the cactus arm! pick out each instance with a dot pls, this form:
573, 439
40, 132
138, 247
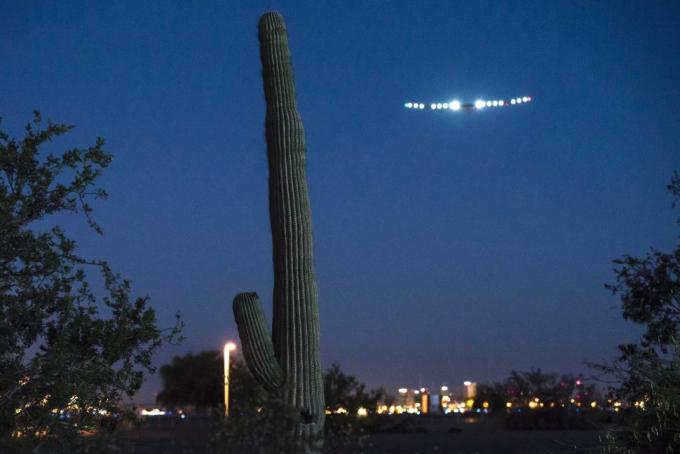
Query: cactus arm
256, 342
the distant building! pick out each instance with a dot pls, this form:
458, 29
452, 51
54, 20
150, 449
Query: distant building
435, 404
445, 397
424, 402
406, 397
470, 389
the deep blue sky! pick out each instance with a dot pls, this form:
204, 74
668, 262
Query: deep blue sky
448, 246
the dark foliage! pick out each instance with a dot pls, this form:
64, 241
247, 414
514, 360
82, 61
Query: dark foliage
259, 422
195, 380
649, 291
648, 372
520, 388
268, 429
345, 391
271, 429
67, 354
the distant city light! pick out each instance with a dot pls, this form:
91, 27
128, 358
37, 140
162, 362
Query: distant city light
444, 388
467, 383
154, 412
403, 390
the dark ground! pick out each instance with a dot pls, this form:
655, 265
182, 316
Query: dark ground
175, 436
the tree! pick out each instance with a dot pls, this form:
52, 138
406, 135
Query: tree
197, 380
66, 355
193, 380
520, 388
648, 372
345, 391
649, 291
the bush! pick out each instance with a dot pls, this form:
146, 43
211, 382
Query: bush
274, 430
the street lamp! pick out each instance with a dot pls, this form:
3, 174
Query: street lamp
228, 348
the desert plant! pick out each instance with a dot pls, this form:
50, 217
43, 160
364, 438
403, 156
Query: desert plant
68, 352
653, 425
271, 429
287, 362
648, 372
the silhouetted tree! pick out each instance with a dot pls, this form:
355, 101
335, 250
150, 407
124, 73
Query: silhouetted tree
197, 380
522, 387
649, 291
342, 390
62, 347
192, 380
649, 371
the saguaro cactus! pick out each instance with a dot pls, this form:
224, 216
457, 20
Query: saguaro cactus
288, 361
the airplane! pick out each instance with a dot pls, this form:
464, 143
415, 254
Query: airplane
479, 104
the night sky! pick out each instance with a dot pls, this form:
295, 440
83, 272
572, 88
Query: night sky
449, 246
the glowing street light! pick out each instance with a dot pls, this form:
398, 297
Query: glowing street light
228, 348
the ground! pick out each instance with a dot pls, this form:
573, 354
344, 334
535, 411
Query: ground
176, 436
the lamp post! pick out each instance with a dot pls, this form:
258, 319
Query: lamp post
228, 348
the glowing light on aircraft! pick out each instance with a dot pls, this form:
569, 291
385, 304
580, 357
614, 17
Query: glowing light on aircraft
478, 104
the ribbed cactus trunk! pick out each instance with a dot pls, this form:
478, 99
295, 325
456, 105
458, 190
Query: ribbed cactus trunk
288, 361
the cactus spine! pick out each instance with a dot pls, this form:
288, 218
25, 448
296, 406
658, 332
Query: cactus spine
288, 361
